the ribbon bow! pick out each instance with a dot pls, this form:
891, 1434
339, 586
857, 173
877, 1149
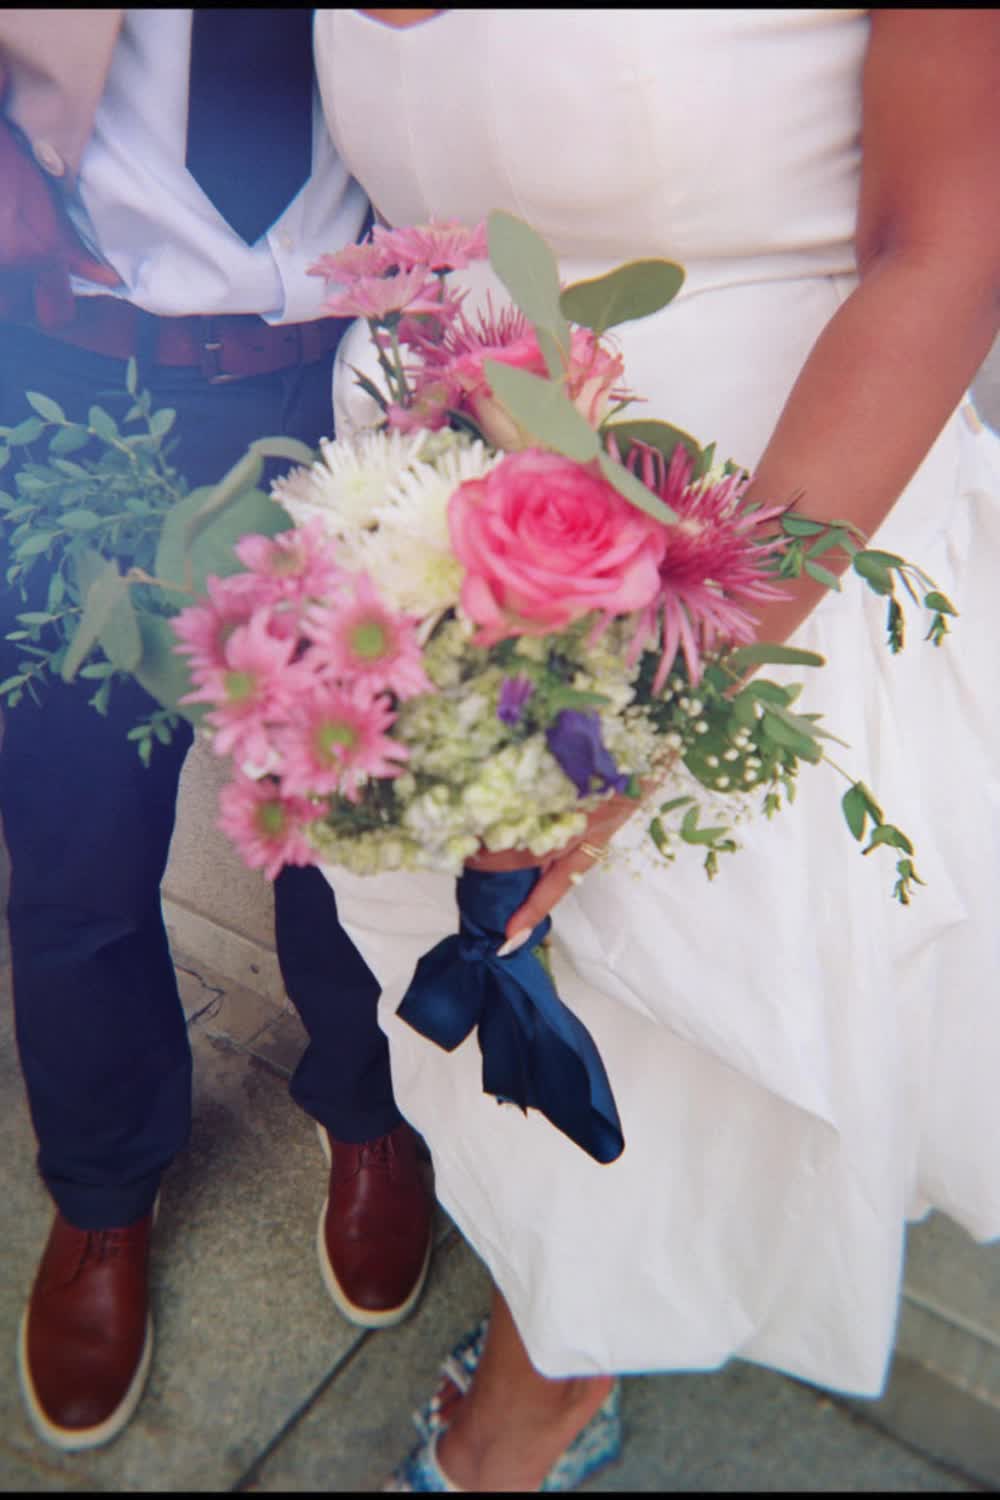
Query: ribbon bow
535, 1051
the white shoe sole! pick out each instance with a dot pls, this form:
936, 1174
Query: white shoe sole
361, 1317
70, 1439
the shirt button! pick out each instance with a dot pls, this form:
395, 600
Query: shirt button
48, 158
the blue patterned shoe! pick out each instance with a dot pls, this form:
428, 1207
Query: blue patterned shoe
598, 1444
458, 1369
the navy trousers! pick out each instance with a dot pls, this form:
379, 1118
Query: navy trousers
99, 1024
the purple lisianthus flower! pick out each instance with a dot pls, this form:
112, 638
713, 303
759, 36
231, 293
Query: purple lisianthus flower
575, 741
514, 694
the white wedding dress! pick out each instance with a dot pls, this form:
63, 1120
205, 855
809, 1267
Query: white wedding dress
800, 1063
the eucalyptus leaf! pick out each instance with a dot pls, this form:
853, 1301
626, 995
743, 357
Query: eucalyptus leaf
940, 602
634, 491
162, 672
69, 439
633, 290
542, 408
161, 421
211, 550
855, 809
284, 447
24, 432
102, 423
45, 406
764, 653
101, 590
241, 477
875, 573
659, 435
779, 733
822, 575
528, 269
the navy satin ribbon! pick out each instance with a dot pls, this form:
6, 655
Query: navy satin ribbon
535, 1051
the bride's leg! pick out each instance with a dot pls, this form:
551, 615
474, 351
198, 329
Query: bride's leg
511, 1426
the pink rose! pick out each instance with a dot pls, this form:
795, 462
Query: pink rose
544, 541
591, 379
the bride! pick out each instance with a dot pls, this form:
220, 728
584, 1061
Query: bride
800, 1064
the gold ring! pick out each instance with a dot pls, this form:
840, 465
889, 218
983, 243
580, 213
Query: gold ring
594, 851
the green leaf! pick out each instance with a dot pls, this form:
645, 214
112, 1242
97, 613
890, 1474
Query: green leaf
940, 602
885, 833
4, 457
822, 575
875, 573
855, 809
80, 520
633, 290
162, 672
763, 653
36, 543
24, 432
658, 435
801, 526
104, 593
45, 406
885, 559
634, 490
284, 447
132, 376
35, 617
161, 421
542, 408
103, 424
549, 346
783, 734
211, 550
528, 269
57, 591
69, 439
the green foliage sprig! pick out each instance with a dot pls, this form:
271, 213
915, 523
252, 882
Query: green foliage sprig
124, 544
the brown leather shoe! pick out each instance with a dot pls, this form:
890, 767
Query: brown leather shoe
374, 1238
87, 1336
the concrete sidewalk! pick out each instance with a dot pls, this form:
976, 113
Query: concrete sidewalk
258, 1384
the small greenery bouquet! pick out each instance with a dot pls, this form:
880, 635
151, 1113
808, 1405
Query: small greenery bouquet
464, 626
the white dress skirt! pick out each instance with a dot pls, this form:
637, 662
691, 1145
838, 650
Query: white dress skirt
800, 1064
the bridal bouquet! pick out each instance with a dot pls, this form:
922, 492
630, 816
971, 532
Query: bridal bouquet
465, 625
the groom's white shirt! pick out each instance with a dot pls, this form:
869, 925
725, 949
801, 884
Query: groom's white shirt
139, 207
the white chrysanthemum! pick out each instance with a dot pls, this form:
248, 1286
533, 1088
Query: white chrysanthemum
408, 554
351, 480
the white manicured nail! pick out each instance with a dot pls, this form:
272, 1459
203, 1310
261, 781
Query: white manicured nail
513, 943
576, 877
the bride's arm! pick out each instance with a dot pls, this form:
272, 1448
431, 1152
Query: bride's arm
891, 366
896, 359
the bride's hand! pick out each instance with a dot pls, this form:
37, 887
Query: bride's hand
558, 869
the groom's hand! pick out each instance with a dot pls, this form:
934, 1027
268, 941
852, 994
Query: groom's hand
39, 247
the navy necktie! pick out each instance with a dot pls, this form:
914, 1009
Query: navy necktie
249, 143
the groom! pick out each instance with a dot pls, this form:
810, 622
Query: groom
167, 180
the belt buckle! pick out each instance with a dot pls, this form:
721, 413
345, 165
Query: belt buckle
210, 347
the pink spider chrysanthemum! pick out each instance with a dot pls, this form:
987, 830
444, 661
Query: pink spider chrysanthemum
203, 629
253, 691
266, 825
336, 739
359, 640
445, 246
713, 565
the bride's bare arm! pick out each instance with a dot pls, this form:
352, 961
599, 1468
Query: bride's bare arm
895, 360
891, 366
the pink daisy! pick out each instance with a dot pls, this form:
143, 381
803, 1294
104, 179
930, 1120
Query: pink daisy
713, 563
203, 629
292, 567
253, 690
336, 739
266, 825
439, 247
379, 297
360, 640
365, 259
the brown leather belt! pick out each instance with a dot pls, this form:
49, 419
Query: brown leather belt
228, 347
